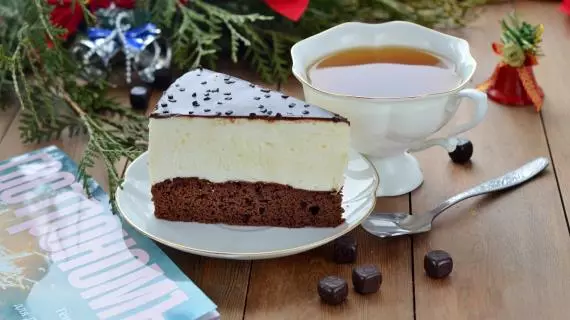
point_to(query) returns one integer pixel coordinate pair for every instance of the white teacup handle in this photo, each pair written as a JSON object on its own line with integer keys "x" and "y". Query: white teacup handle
{"x": 451, "y": 141}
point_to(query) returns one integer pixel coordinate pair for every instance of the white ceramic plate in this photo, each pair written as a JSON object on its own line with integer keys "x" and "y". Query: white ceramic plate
{"x": 242, "y": 242}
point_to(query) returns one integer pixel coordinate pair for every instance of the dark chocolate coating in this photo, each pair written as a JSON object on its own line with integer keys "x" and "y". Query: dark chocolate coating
{"x": 438, "y": 264}
{"x": 201, "y": 89}
{"x": 344, "y": 249}
{"x": 333, "y": 290}
{"x": 366, "y": 279}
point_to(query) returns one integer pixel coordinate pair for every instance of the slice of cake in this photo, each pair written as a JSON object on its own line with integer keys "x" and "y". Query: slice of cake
{"x": 223, "y": 150}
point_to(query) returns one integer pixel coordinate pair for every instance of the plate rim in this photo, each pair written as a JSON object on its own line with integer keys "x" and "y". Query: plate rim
{"x": 249, "y": 255}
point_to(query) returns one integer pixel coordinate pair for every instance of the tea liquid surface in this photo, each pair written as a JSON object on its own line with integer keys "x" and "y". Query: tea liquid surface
{"x": 383, "y": 72}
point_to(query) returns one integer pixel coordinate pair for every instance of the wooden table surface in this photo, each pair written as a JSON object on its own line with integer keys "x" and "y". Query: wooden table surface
{"x": 511, "y": 252}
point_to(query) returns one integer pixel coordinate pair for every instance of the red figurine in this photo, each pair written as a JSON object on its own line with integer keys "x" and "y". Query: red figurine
{"x": 513, "y": 82}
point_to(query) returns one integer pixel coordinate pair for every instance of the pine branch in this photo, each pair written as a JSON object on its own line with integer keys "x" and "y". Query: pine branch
{"x": 54, "y": 102}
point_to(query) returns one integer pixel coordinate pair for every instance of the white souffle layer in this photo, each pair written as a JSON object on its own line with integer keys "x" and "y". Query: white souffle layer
{"x": 305, "y": 154}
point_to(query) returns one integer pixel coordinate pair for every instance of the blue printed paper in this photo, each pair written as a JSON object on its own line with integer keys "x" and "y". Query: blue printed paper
{"x": 64, "y": 255}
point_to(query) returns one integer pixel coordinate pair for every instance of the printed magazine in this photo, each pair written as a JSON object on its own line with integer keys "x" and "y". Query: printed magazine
{"x": 64, "y": 255}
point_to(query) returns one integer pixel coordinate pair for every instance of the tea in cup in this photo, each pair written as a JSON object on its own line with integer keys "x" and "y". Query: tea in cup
{"x": 398, "y": 83}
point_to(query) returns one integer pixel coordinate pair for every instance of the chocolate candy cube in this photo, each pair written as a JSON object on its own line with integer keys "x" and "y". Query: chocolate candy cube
{"x": 344, "y": 249}
{"x": 438, "y": 264}
{"x": 463, "y": 152}
{"x": 366, "y": 279}
{"x": 333, "y": 290}
{"x": 139, "y": 97}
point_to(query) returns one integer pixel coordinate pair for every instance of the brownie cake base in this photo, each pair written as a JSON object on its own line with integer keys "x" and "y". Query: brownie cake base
{"x": 245, "y": 203}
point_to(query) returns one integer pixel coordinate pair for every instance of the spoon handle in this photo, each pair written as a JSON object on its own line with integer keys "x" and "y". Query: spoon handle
{"x": 511, "y": 179}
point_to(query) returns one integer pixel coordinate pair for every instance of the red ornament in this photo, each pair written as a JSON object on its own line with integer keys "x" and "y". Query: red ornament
{"x": 514, "y": 86}
{"x": 291, "y": 9}
{"x": 565, "y": 6}
{"x": 68, "y": 14}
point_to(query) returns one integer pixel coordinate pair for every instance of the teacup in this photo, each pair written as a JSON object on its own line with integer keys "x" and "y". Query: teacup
{"x": 386, "y": 130}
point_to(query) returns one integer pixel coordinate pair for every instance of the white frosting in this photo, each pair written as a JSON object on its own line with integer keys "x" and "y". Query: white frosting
{"x": 304, "y": 154}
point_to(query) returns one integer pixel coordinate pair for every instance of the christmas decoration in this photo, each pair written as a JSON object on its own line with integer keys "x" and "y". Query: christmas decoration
{"x": 47, "y": 44}
{"x": 142, "y": 47}
{"x": 565, "y": 7}
{"x": 513, "y": 81}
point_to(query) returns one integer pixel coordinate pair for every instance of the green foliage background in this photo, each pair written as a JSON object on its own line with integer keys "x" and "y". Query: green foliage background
{"x": 44, "y": 80}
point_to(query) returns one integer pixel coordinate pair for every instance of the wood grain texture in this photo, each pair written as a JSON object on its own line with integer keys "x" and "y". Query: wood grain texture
{"x": 286, "y": 288}
{"x": 224, "y": 281}
{"x": 553, "y": 76}
{"x": 6, "y": 118}
{"x": 511, "y": 251}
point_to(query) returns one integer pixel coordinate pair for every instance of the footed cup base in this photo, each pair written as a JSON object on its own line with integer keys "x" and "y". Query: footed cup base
{"x": 398, "y": 174}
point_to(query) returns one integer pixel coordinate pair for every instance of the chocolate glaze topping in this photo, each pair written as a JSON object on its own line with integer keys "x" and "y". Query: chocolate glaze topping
{"x": 205, "y": 93}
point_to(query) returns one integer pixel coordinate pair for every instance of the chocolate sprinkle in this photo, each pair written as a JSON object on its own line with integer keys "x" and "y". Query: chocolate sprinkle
{"x": 229, "y": 112}
{"x": 307, "y": 105}
{"x": 207, "y": 110}
{"x": 263, "y": 110}
{"x": 198, "y": 95}
{"x": 218, "y": 113}
{"x": 164, "y": 104}
{"x": 190, "y": 112}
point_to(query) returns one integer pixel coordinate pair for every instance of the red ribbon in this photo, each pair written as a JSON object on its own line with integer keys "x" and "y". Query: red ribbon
{"x": 291, "y": 9}
{"x": 565, "y": 7}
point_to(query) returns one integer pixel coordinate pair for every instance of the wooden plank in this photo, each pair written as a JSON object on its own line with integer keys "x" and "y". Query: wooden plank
{"x": 286, "y": 288}
{"x": 6, "y": 118}
{"x": 511, "y": 251}
{"x": 552, "y": 76}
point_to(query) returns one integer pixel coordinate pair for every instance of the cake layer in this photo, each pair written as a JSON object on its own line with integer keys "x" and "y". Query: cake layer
{"x": 304, "y": 154}
{"x": 244, "y": 203}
